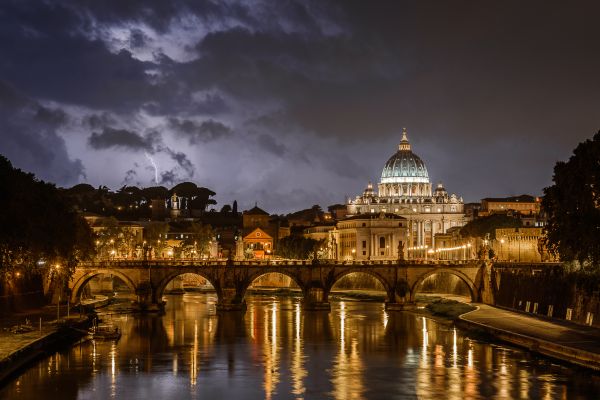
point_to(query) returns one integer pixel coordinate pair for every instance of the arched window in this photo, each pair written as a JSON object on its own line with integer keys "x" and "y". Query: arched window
{"x": 382, "y": 242}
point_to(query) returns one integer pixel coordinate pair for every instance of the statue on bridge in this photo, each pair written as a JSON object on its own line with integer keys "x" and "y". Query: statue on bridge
{"x": 400, "y": 251}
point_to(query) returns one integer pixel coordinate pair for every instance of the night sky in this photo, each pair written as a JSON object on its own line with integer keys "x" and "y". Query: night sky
{"x": 295, "y": 103}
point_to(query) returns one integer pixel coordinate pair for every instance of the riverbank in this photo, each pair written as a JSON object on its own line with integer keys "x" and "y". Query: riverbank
{"x": 566, "y": 342}
{"x": 17, "y": 350}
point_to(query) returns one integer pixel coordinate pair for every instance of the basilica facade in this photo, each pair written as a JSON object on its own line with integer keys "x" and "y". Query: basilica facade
{"x": 406, "y": 191}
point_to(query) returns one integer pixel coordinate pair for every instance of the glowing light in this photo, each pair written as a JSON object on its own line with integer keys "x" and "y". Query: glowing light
{"x": 149, "y": 157}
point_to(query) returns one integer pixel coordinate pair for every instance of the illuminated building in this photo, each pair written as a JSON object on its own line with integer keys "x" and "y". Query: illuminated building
{"x": 405, "y": 190}
{"x": 524, "y": 204}
{"x": 368, "y": 237}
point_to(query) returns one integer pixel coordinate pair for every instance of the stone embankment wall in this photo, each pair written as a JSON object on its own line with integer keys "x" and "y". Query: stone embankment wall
{"x": 549, "y": 291}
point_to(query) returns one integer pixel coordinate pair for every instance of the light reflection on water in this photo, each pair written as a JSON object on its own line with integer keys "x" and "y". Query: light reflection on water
{"x": 276, "y": 350}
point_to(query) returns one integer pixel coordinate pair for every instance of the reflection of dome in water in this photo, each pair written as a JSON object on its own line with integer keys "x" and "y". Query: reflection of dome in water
{"x": 404, "y": 166}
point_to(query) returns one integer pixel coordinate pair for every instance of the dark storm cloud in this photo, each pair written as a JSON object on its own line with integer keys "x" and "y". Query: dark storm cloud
{"x": 206, "y": 131}
{"x": 46, "y": 54}
{"x": 122, "y": 138}
{"x": 52, "y": 117}
{"x": 98, "y": 121}
{"x": 496, "y": 91}
{"x": 168, "y": 178}
{"x": 271, "y": 145}
{"x": 137, "y": 38}
{"x": 29, "y": 139}
{"x": 182, "y": 161}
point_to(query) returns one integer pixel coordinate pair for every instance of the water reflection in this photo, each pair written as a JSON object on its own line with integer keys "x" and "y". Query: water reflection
{"x": 276, "y": 350}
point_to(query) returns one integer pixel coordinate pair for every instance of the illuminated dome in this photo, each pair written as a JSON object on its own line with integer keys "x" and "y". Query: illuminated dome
{"x": 404, "y": 166}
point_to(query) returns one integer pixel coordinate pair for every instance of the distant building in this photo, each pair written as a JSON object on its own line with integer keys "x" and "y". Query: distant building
{"x": 258, "y": 244}
{"x": 271, "y": 227}
{"x": 520, "y": 245}
{"x": 128, "y": 241}
{"x": 524, "y": 205}
{"x": 369, "y": 237}
{"x": 472, "y": 211}
{"x": 255, "y": 218}
{"x": 319, "y": 232}
{"x": 338, "y": 211}
{"x": 405, "y": 190}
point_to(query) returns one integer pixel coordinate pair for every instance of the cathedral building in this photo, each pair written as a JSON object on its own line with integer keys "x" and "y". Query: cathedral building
{"x": 405, "y": 190}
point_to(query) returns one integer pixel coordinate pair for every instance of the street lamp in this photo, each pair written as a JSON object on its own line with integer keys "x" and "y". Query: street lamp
{"x": 501, "y": 245}
{"x": 57, "y": 267}
{"x": 353, "y": 254}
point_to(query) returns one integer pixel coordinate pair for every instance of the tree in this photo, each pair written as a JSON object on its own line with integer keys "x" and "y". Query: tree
{"x": 108, "y": 237}
{"x": 198, "y": 243}
{"x": 38, "y": 227}
{"x": 297, "y": 247}
{"x": 484, "y": 225}
{"x": 155, "y": 235}
{"x": 572, "y": 205}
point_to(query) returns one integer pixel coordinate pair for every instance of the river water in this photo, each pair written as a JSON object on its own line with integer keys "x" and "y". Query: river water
{"x": 277, "y": 351}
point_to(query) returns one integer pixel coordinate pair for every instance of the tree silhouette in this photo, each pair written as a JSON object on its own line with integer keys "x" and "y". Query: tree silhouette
{"x": 572, "y": 205}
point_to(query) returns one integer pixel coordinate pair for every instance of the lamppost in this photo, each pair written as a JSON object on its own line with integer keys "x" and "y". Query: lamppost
{"x": 353, "y": 254}
{"x": 501, "y": 246}
{"x": 57, "y": 267}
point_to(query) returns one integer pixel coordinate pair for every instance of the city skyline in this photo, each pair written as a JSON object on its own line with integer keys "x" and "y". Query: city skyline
{"x": 291, "y": 104}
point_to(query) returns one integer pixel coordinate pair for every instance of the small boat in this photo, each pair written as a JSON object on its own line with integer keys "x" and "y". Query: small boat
{"x": 105, "y": 332}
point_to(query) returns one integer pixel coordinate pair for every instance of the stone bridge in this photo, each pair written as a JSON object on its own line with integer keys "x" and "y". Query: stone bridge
{"x": 401, "y": 279}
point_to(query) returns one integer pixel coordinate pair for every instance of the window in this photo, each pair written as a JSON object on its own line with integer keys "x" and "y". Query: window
{"x": 364, "y": 242}
{"x": 382, "y": 243}
{"x": 364, "y": 253}
{"x": 364, "y": 224}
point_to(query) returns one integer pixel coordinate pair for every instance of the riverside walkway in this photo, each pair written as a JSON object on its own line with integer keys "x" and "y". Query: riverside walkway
{"x": 562, "y": 340}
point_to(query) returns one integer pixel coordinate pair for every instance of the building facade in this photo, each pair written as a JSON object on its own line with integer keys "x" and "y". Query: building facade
{"x": 405, "y": 190}
{"x": 369, "y": 237}
{"x": 524, "y": 205}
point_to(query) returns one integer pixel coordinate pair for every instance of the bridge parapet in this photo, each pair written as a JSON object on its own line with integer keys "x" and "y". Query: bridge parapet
{"x": 110, "y": 263}
{"x": 526, "y": 265}
{"x": 231, "y": 279}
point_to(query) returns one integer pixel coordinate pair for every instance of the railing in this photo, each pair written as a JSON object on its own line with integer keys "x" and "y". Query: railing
{"x": 184, "y": 262}
{"x": 526, "y": 265}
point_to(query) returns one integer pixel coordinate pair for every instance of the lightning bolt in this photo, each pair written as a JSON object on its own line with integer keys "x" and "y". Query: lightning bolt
{"x": 149, "y": 157}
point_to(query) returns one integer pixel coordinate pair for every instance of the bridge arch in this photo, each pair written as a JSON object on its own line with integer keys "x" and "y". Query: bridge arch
{"x": 459, "y": 274}
{"x": 388, "y": 286}
{"x": 162, "y": 284}
{"x": 253, "y": 277}
{"x": 80, "y": 283}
